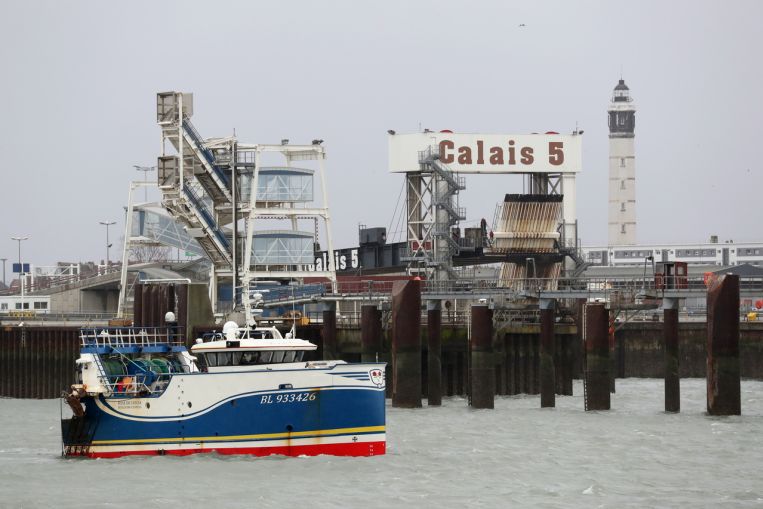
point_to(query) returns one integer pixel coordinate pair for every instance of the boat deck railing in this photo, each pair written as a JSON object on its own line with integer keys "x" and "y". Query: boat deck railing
{"x": 135, "y": 361}
{"x": 143, "y": 338}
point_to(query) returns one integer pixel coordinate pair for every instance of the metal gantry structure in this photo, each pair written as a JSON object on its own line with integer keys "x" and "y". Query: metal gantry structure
{"x": 222, "y": 193}
{"x": 432, "y": 211}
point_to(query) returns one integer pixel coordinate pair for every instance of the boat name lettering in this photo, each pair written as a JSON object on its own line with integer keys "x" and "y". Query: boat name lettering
{"x": 292, "y": 397}
{"x": 122, "y": 403}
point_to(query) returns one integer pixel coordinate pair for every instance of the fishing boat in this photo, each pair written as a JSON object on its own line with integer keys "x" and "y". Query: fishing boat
{"x": 245, "y": 390}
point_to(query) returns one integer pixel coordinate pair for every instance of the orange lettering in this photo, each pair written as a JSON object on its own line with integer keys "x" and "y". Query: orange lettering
{"x": 555, "y": 152}
{"x": 527, "y": 155}
{"x": 446, "y": 157}
{"x": 496, "y": 155}
{"x": 464, "y": 155}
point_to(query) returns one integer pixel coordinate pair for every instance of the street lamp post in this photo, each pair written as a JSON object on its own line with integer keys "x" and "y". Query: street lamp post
{"x": 21, "y": 269}
{"x": 107, "y": 224}
{"x": 4, "y": 260}
{"x": 145, "y": 170}
{"x": 649, "y": 258}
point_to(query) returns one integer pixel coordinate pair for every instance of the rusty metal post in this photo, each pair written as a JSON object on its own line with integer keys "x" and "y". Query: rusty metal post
{"x": 547, "y": 368}
{"x": 482, "y": 364}
{"x": 370, "y": 333}
{"x": 723, "y": 384}
{"x": 434, "y": 353}
{"x": 597, "y": 357}
{"x": 406, "y": 343}
{"x": 328, "y": 333}
{"x": 672, "y": 380}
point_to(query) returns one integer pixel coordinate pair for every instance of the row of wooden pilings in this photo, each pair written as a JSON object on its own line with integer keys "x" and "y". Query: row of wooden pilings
{"x": 38, "y": 362}
{"x": 553, "y": 377}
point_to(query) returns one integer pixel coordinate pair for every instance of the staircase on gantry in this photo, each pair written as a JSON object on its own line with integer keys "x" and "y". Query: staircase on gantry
{"x": 207, "y": 185}
{"x": 432, "y": 211}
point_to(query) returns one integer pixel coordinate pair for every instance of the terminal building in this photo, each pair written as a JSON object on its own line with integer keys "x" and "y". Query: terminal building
{"x": 709, "y": 253}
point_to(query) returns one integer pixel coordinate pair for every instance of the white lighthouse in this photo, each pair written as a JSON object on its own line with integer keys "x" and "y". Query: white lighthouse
{"x": 622, "y": 168}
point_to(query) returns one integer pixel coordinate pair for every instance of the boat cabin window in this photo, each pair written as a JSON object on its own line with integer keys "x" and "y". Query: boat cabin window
{"x": 260, "y": 334}
{"x": 216, "y": 359}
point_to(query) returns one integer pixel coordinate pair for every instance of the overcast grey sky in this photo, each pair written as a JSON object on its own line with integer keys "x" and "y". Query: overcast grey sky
{"x": 77, "y": 106}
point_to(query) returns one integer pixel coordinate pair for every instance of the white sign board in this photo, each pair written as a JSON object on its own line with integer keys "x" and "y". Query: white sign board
{"x": 489, "y": 153}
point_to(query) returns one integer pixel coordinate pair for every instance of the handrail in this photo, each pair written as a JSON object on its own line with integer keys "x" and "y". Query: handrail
{"x": 208, "y": 156}
{"x": 199, "y": 205}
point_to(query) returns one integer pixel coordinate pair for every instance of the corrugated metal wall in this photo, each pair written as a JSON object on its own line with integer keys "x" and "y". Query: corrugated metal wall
{"x": 37, "y": 362}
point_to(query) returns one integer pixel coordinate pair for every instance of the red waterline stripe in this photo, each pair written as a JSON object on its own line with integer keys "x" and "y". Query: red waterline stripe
{"x": 353, "y": 449}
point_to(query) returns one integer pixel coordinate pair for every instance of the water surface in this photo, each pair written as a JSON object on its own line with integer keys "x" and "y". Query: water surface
{"x": 517, "y": 455}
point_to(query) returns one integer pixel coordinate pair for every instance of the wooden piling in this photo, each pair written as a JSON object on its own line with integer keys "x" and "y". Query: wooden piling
{"x": 547, "y": 367}
{"x": 612, "y": 354}
{"x": 533, "y": 363}
{"x": 597, "y": 357}
{"x": 723, "y": 382}
{"x": 406, "y": 343}
{"x": 328, "y": 333}
{"x": 482, "y": 370}
{"x": 672, "y": 380}
{"x": 137, "y": 305}
{"x": 568, "y": 363}
{"x": 370, "y": 333}
{"x": 434, "y": 353}
{"x": 511, "y": 370}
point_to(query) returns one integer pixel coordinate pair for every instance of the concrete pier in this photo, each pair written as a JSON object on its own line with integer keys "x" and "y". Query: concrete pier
{"x": 406, "y": 343}
{"x": 434, "y": 354}
{"x": 482, "y": 364}
{"x": 597, "y": 377}
{"x": 672, "y": 380}
{"x": 547, "y": 344}
{"x": 723, "y": 381}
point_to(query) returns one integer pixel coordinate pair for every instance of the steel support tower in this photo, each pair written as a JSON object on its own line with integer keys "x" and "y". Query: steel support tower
{"x": 216, "y": 189}
{"x": 432, "y": 211}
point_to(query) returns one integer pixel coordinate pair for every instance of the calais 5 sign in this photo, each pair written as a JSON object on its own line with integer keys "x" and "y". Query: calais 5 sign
{"x": 489, "y": 153}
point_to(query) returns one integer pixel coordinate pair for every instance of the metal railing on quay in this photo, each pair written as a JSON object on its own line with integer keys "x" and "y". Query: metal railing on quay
{"x": 43, "y": 316}
{"x": 368, "y": 287}
{"x": 48, "y": 282}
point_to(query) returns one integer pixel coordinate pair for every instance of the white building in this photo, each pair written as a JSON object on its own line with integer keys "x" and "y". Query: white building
{"x": 622, "y": 168}
{"x": 710, "y": 253}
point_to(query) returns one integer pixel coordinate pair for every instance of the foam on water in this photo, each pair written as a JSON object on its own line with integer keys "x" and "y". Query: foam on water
{"x": 517, "y": 455}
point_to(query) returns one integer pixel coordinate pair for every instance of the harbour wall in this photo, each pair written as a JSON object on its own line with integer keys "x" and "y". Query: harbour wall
{"x": 38, "y": 362}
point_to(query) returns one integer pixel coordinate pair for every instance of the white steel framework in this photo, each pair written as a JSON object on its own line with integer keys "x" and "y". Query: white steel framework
{"x": 207, "y": 185}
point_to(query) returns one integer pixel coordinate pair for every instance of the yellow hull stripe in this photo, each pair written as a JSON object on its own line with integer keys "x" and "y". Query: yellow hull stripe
{"x": 266, "y": 436}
